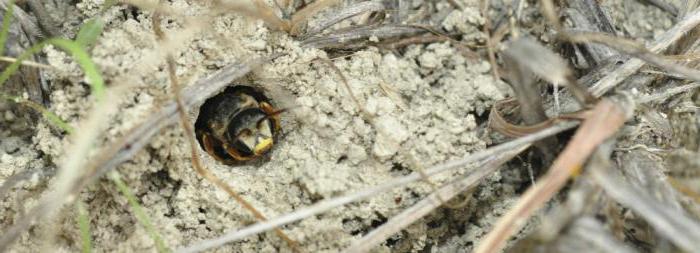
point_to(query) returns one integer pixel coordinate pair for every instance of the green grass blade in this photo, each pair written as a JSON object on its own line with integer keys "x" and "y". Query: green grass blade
{"x": 89, "y": 32}
{"x": 78, "y": 54}
{"x": 84, "y": 226}
{"x": 6, "y": 19}
{"x": 138, "y": 212}
{"x": 48, "y": 115}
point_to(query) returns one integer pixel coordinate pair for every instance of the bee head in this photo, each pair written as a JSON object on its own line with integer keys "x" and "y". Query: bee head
{"x": 251, "y": 132}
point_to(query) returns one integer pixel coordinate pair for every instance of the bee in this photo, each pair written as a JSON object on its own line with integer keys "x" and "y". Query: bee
{"x": 238, "y": 125}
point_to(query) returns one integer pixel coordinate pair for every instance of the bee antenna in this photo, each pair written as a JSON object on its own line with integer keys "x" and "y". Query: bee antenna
{"x": 275, "y": 113}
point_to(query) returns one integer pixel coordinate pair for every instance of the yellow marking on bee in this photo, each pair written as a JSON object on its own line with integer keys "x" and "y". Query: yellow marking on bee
{"x": 263, "y": 146}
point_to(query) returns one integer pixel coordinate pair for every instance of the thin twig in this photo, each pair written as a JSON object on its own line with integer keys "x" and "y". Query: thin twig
{"x": 667, "y": 93}
{"x": 490, "y": 43}
{"x": 630, "y": 67}
{"x": 674, "y": 224}
{"x": 345, "y": 13}
{"x": 187, "y": 127}
{"x": 432, "y": 201}
{"x": 606, "y": 118}
{"x": 663, "y": 5}
{"x": 636, "y": 50}
{"x": 358, "y": 37}
{"x": 415, "y": 40}
{"x": 373, "y": 191}
{"x": 126, "y": 147}
{"x": 300, "y": 17}
{"x": 27, "y": 63}
{"x": 69, "y": 173}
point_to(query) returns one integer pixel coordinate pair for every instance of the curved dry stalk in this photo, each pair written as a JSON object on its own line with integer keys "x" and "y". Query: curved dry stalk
{"x": 490, "y": 43}
{"x": 634, "y": 49}
{"x": 261, "y": 10}
{"x": 127, "y": 146}
{"x": 72, "y": 182}
{"x": 589, "y": 233}
{"x": 187, "y": 128}
{"x": 433, "y": 185}
{"x": 606, "y": 119}
{"x": 622, "y": 72}
{"x": 432, "y": 201}
{"x": 672, "y": 223}
{"x": 358, "y": 36}
{"x": 349, "y": 12}
{"x": 499, "y": 124}
{"x": 264, "y": 12}
{"x": 595, "y": 128}
{"x": 531, "y": 55}
{"x": 299, "y": 18}
{"x": 326, "y": 205}
{"x": 70, "y": 170}
{"x": 667, "y": 93}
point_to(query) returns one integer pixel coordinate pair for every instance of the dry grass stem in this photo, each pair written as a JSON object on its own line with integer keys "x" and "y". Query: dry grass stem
{"x": 637, "y": 50}
{"x": 434, "y": 186}
{"x": 521, "y": 79}
{"x": 588, "y": 231}
{"x": 27, "y": 63}
{"x": 490, "y": 42}
{"x": 606, "y": 119}
{"x": 357, "y": 37}
{"x": 415, "y": 40}
{"x": 630, "y": 67}
{"x": 663, "y": 5}
{"x": 499, "y": 124}
{"x": 671, "y": 223}
{"x": 265, "y": 13}
{"x": 299, "y": 18}
{"x": 667, "y": 93}
{"x": 548, "y": 65}
{"x": 326, "y": 205}
{"x": 588, "y": 15}
{"x": 70, "y": 171}
{"x": 432, "y": 201}
{"x": 194, "y": 154}
{"x": 348, "y": 12}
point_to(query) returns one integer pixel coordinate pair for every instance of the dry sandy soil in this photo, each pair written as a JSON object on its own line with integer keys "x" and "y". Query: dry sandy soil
{"x": 429, "y": 103}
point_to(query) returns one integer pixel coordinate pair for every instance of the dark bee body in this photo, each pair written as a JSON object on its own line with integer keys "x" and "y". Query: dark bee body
{"x": 237, "y": 125}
